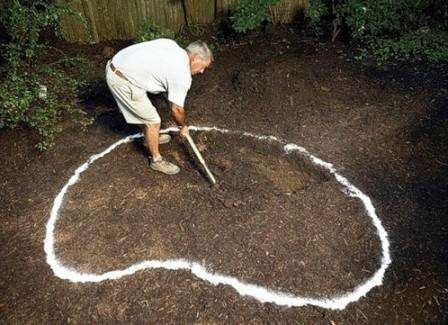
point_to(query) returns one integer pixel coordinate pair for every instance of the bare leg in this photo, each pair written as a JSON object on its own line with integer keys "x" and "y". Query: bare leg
{"x": 151, "y": 133}
{"x": 143, "y": 129}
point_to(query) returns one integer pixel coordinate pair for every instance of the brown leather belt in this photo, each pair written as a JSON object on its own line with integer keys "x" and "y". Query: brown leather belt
{"x": 117, "y": 72}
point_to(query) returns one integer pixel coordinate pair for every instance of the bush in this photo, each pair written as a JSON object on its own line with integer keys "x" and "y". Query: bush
{"x": 411, "y": 30}
{"x": 249, "y": 14}
{"x": 38, "y": 98}
{"x": 33, "y": 93}
{"x": 315, "y": 12}
{"x": 424, "y": 44}
{"x": 151, "y": 31}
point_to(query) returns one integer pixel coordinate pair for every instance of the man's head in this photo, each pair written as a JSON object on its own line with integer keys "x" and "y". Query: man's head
{"x": 200, "y": 57}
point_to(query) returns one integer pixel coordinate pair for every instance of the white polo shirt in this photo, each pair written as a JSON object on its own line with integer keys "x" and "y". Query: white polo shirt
{"x": 157, "y": 66}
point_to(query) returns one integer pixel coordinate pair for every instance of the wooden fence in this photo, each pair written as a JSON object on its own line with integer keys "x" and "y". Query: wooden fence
{"x": 122, "y": 19}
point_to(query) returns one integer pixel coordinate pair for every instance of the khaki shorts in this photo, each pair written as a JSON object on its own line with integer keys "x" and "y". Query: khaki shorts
{"x": 132, "y": 101}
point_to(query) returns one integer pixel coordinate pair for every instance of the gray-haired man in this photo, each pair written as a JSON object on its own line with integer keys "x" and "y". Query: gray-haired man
{"x": 155, "y": 66}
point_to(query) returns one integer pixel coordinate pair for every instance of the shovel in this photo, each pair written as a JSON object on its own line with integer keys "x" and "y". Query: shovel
{"x": 201, "y": 159}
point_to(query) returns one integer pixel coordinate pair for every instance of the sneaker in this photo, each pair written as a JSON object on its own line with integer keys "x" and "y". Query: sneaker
{"x": 163, "y": 138}
{"x": 164, "y": 166}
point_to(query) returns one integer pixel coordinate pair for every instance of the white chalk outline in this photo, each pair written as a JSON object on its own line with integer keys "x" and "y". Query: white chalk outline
{"x": 260, "y": 293}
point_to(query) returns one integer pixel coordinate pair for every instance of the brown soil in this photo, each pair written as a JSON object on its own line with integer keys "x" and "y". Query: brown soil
{"x": 274, "y": 219}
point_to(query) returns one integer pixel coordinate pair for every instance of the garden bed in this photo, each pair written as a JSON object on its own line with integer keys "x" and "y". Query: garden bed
{"x": 274, "y": 220}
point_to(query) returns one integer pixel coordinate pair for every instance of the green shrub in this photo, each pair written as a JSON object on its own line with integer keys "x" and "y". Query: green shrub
{"x": 316, "y": 10}
{"x": 24, "y": 23}
{"x": 249, "y": 14}
{"x": 425, "y": 44}
{"x": 412, "y": 30}
{"x": 151, "y": 31}
{"x": 39, "y": 98}
{"x": 34, "y": 93}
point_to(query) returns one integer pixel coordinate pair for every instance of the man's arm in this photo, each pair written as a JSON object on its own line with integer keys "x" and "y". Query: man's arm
{"x": 178, "y": 114}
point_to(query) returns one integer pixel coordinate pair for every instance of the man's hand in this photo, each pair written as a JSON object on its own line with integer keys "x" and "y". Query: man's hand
{"x": 183, "y": 131}
{"x": 178, "y": 114}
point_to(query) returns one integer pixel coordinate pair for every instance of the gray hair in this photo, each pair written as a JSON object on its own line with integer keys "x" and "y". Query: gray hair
{"x": 201, "y": 50}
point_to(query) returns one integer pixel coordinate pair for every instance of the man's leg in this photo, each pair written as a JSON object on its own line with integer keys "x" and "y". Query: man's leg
{"x": 163, "y": 138}
{"x": 157, "y": 162}
{"x": 151, "y": 133}
{"x": 141, "y": 110}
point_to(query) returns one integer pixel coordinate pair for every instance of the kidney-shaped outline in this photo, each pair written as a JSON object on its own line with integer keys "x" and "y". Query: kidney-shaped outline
{"x": 260, "y": 293}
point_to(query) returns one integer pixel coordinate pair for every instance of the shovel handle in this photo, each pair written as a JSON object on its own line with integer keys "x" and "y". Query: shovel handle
{"x": 200, "y": 158}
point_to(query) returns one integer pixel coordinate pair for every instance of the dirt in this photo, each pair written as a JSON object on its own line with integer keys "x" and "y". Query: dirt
{"x": 274, "y": 219}
{"x": 276, "y": 210}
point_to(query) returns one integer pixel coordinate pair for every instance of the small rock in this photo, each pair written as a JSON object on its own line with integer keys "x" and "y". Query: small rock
{"x": 325, "y": 88}
{"x": 140, "y": 194}
{"x": 225, "y": 164}
{"x": 201, "y": 147}
{"x": 228, "y": 203}
{"x": 243, "y": 150}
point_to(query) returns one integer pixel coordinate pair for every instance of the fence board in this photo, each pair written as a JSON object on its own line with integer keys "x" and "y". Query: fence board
{"x": 286, "y": 11}
{"x": 122, "y": 19}
{"x": 200, "y": 11}
{"x": 72, "y": 27}
{"x": 88, "y": 11}
{"x": 223, "y": 7}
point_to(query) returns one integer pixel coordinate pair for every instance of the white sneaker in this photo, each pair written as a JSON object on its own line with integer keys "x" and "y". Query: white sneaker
{"x": 164, "y": 166}
{"x": 163, "y": 138}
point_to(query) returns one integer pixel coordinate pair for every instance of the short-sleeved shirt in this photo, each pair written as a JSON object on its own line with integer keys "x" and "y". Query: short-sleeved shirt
{"x": 157, "y": 66}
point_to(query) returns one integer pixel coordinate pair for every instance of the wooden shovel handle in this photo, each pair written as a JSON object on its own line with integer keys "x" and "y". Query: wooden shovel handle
{"x": 200, "y": 158}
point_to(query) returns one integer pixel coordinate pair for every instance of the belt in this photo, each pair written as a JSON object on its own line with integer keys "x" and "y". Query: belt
{"x": 118, "y": 72}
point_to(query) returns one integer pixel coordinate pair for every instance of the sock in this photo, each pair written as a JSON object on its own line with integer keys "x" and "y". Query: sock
{"x": 157, "y": 159}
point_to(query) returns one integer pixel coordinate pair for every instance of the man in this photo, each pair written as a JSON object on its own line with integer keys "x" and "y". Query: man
{"x": 155, "y": 66}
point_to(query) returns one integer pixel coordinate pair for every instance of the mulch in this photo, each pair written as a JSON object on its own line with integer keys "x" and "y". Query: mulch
{"x": 275, "y": 220}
